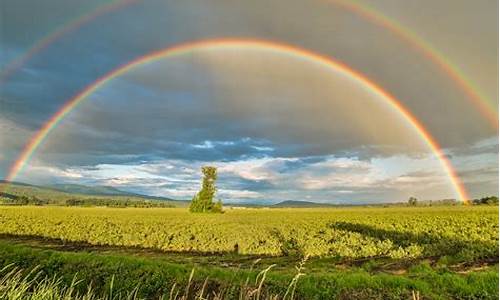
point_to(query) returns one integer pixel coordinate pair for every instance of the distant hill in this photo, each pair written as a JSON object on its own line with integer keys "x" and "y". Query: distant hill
{"x": 103, "y": 190}
{"x": 296, "y": 204}
{"x": 89, "y": 190}
{"x": 61, "y": 193}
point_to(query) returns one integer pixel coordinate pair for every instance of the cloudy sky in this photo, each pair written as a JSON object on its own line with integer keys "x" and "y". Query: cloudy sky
{"x": 277, "y": 126}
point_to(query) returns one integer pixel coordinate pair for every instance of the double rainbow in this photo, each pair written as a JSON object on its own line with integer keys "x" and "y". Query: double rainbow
{"x": 485, "y": 105}
{"x": 331, "y": 64}
{"x": 60, "y": 32}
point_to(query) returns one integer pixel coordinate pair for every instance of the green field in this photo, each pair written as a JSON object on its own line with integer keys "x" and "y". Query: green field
{"x": 351, "y": 253}
{"x": 467, "y": 233}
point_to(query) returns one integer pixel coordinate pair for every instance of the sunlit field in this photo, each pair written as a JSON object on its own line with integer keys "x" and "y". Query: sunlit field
{"x": 465, "y": 232}
{"x": 395, "y": 251}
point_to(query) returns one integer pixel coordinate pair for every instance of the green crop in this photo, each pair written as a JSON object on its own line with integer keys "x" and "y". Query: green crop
{"x": 467, "y": 233}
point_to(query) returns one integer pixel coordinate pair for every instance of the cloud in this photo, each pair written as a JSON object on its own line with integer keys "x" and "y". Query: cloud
{"x": 265, "y": 180}
{"x": 77, "y": 59}
{"x": 229, "y": 114}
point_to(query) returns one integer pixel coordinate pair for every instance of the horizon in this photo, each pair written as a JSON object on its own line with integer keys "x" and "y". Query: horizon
{"x": 263, "y": 202}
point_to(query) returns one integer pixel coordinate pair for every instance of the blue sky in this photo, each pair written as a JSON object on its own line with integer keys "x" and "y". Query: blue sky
{"x": 277, "y": 127}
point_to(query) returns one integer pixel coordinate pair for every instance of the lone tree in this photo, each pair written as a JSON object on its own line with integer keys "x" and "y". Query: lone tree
{"x": 412, "y": 201}
{"x": 203, "y": 200}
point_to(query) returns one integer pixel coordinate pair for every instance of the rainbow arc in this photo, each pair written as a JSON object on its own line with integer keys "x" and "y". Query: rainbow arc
{"x": 485, "y": 105}
{"x": 234, "y": 43}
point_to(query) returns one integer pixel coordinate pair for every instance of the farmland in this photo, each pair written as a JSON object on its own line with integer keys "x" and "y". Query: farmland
{"x": 392, "y": 250}
{"x": 467, "y": 233}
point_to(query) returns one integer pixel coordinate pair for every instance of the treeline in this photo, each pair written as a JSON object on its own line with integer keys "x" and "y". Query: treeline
{"x": 443, "y": 202}
{"x": 491, "y": 200}
{"x": 115, "y": 203}
{"x": 10, "y": 199}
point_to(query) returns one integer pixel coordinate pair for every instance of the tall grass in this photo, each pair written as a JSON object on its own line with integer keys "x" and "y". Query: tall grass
{"x": 19, "y": 284}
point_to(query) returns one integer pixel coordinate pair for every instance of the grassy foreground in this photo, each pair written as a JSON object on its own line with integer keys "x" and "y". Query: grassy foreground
{"x": 348, "y": 253}
{"x": 119, "y": 276}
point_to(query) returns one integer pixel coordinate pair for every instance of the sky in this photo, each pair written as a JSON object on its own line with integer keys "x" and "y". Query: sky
{"x": 277, "y": 126}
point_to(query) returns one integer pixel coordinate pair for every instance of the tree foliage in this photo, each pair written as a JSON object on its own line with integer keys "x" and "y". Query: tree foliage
{"x": 203, "y": 201}
{"x": 412, "y": 201}
{"x": 491, "y": 200}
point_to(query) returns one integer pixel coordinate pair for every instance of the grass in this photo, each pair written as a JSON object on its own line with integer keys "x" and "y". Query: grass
{"x": 18, "y": 285}
{"x": 120, "y": 276}
{"x": 168, "y": 253}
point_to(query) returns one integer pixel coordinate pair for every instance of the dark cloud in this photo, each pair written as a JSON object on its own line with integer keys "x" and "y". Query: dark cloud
{"x": 239, "y": 115}
{"x": 119, "y": 36}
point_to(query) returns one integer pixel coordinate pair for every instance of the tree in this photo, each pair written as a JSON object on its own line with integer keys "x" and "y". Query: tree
{"x": 412, "y": 201}
{"x": 491, "y": 200}
{"x": 217, "y": 207}
{"x": 203, "y": 200}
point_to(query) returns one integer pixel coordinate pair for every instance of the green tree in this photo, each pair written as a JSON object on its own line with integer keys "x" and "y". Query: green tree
{"x": 203, "y": 200}
{"x": 491, "y": 200}
{"x": 412, "y": 201}
{"x": 217, "y": 207}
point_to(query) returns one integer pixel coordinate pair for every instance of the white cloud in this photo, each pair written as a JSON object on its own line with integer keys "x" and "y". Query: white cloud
{"x": 274, "y": 179}
{"x": 239, "y": 194}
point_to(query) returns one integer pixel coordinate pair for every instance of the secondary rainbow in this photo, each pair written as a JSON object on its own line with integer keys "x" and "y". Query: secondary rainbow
{"x": 60, "y": 32}
{"x": 283, "y": 49}
{"x": 482, "y": 102}
{"x": 485, "y": 106}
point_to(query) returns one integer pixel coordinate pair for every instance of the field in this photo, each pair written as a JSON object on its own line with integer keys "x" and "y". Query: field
{"x": 392, "y": 250}
{"x": 467, "y": 233}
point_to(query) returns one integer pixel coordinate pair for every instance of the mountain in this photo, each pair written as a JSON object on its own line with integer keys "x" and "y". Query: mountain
{"x": 61, "y": 193}
{"x": 90, "y": 190}
{"x": 296, "y": 204}
{"x": 3, "y": 181}
{"x": 101, "y": 190}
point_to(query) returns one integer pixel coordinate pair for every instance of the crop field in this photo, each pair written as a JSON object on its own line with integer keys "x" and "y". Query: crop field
{"x": 466, "y": 233}
{"x": 318, "y": 253}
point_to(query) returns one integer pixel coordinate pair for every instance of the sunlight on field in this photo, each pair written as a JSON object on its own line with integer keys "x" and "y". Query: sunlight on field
{"x": 466, "y": 232}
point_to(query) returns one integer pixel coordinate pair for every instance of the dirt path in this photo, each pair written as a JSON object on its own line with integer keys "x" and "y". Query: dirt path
{"x": 238, "y": 261}
{"x": 196, "y": 258}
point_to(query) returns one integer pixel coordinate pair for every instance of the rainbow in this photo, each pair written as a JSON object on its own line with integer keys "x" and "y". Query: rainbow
{"x": 216, "y": 44}
{"x": 61, "y": 31}
{"x": 486, "y": 106}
